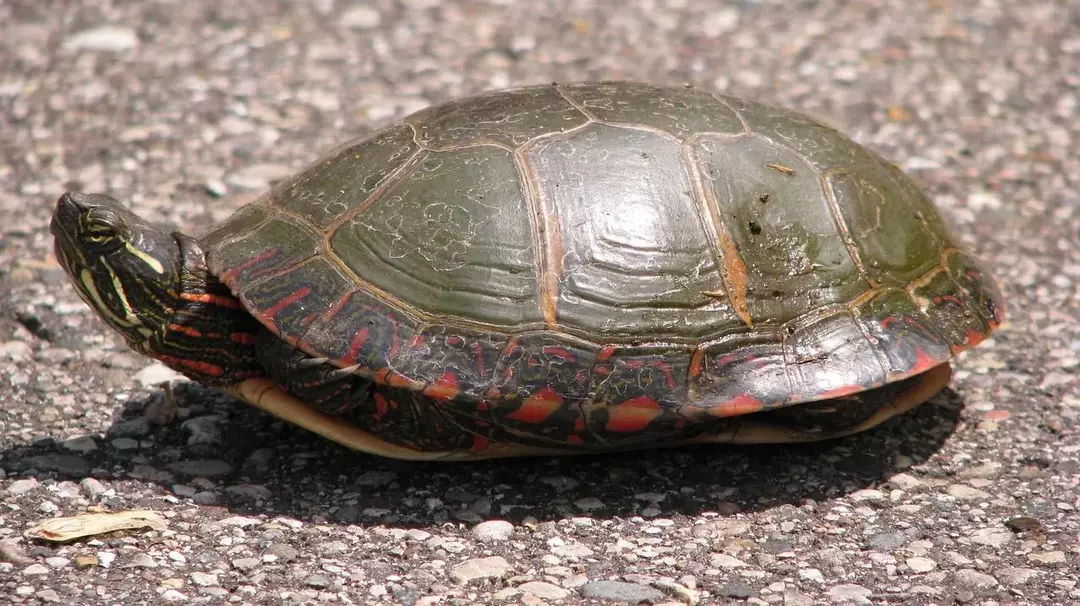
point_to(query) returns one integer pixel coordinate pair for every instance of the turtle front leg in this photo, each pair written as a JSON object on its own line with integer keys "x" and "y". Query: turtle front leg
{"x": 398, "y": 416}
{"x": 314, "y": 381}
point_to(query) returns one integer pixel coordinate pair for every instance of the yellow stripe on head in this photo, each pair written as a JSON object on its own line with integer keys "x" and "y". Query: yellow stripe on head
{"x": 145, "y": 258}
{"x": 87, "y": 279}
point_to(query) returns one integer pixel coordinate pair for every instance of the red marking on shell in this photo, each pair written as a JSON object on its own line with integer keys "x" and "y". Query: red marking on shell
{"x": 230, "y": 274}
{"x": 243, "y": 338}
{"x": 358, "y": 341}
{"x": 276, "y": 308}
{"x": 444, "y": 388}
{"x": 381, "y": 406}
{"x": 455, "y": 341}
{"x": 511, "y": 347}
{"x": 478, "y": 354}
{"x": 559, "y": 352}
{"x": 213, "y": 335}
{"x": 385, "y": 376}
{"x": 603, "y": 370}
{"x": 697, "y": 363}
{"x": 669, "y": 376}
{"x": 741, "y": 404}
{"x": 999, "y": 314}
{"x": 538, "y": 407}
{"x": 973, "y": 338}
{"x": 605, "y": 353}
{"x": 575, "y": 440}
{"x": 634, "y": 363}
{"x": 187, "y": 330}
{"x": 923, "y": 362}
{"x": 734, "y": 358}
{"x": 632, "y": 415}
{"x": 199, "y": 366}
{"x": 209, "y": 299}
{"x": 949, "y": 299}
{"x": 579, "y": 425}
{"x": 479, "y": 443}
{"x": 996, "y": 415}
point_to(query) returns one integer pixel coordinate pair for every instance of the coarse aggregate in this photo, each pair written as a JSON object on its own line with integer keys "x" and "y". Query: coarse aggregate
{"x": 187, "y": 110}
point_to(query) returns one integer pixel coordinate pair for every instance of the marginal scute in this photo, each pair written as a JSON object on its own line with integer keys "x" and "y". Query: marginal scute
{"x": 240, "y": 258}
{"x": 638, "y": 391}
{"x": 451, "y": 238}
{"x": 901, "y": 334}
{"x": 980, "y": 289}
{"x": 680, "y": 112}
{"x": 830, "y": 355}
{"x": 346, "y": 176}
{"x": 506, "y": 118}
{"x": 952, "y": 314}
{"x": 453, "y": 362}
{"x": 541, "y": 365}
{"x": 292, "y": 300}
{"x": 360, "y": 329}
{"x": 781, "y": 225}
{"x": 739, "y": 374}
{"x": 240, "y": 224}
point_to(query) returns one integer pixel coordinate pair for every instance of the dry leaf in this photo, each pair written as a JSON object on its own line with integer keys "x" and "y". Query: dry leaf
{"x": 92, "y": 524}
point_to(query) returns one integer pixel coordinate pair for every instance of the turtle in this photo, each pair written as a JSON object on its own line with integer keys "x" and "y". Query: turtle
{"x": 557, "y": 269}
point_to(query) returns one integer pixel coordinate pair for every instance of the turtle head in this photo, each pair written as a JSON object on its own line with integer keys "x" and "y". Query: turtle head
{"x": 127, "y": 270}
{"x": 153, "y": 287}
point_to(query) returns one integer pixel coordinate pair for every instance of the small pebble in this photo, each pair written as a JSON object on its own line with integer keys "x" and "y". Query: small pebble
{"x": 479, "y": 568}
{"x": 620, "y": 591}
{"x": 975, "y": 579}
{"x": 493, "y": 530}
{"x": 22, "y": 486}
{"x": 106, "y": 38}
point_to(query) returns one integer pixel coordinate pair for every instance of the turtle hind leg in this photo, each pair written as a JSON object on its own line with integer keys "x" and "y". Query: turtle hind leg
{"x": 398, "y": 416}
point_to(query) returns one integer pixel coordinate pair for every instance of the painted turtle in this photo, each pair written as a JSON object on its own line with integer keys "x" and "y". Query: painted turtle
{"x": 557, "y": 269}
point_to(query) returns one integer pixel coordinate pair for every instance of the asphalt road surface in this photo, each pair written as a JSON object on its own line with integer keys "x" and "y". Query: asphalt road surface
{"x": 186, "y": 110}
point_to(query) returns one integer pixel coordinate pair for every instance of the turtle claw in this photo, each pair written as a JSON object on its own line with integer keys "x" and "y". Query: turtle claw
{"x": 162, "y": 412}
{"x": 342, "y": 373}
{"x": 310, "y": 362}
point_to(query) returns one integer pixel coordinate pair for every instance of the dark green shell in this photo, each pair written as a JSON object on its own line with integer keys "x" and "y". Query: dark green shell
{"x": 585, "y": 263}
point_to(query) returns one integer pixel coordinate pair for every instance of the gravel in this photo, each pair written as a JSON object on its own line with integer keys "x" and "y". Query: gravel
{"x": 187, "y": 110}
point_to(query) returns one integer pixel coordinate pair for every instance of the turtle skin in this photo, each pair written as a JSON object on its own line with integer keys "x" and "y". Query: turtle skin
{"x": 600, "y": 266}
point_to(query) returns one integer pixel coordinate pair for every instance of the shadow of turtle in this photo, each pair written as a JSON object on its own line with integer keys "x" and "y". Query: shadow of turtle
{"x": 221, "y": 452}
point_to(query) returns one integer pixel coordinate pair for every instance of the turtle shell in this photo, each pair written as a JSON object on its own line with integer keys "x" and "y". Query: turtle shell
{"x": 596, "y": 262}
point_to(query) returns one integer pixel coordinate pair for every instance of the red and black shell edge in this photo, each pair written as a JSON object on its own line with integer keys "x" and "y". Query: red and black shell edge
{"x": 551, "y": 389}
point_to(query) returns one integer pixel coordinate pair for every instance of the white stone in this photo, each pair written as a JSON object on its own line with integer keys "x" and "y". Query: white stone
{"x": 108, "y": 38}
{"x": 493, "y": 530}
{"x": 361, "y": 17}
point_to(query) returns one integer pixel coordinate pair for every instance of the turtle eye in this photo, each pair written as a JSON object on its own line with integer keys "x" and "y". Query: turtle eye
{"x": 103, "y": 229}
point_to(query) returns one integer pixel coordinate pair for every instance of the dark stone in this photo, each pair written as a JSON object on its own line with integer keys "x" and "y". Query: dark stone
{"x": 63, "y": 463}
{"x": 887, "y": 541}
{"x": 1023, "y": 524}
{"x": 738, "y": 590}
